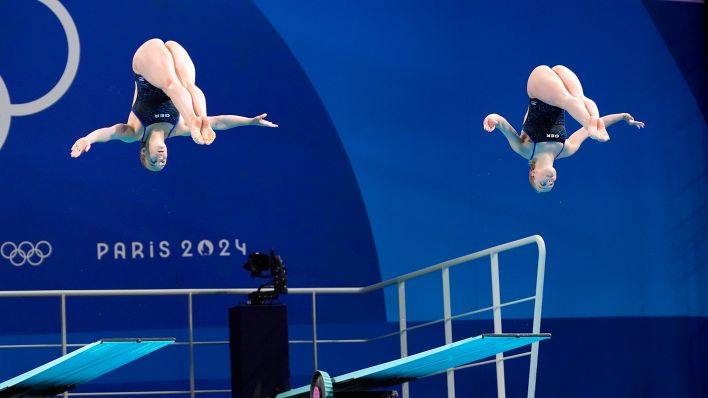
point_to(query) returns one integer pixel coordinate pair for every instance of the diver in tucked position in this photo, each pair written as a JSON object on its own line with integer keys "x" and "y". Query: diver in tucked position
{"x": 552, "y": 91}
{"x": 166, "y": 103}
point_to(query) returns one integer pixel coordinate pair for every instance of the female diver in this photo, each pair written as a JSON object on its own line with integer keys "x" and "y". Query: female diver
{"x": 552, "y": 91}
{"x": 166, "y": 104}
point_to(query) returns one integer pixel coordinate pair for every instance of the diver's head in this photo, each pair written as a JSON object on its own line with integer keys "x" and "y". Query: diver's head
{"x": 542, "y": 178}
{"x": 153, "y": 152}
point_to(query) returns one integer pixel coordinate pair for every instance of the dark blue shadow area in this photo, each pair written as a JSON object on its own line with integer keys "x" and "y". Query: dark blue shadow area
{"x": 686, "y": 41}
{"x": 593, "y": 357}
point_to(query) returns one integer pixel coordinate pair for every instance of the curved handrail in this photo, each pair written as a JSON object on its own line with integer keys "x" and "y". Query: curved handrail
{"x": 314, "y": 291}
{"x": 302, "y": 290}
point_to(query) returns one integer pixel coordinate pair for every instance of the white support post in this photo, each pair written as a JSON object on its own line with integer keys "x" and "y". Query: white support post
{"x": 402, "y": 326}
{"x": 63, "y": 331}
{"x": 190, "y": 332}
{"x": 63, "y": 324}
{"x": 496, "y": 303}
{"x": 537, "y": 316}
{"x": 447, "y": 313}
{"x": 314, "y": 331}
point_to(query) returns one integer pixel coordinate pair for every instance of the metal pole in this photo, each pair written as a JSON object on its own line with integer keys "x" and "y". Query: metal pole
{"x": 314, "y": 329}
{"x": 447, "y": 310}
{"x": 402, "y": 328}
{"x": 63, "y": 330}
{"x": 496, "y": 302}
{"x": 63, "y": 324}
{"x": 190, "y": 321}
{"x": 540, "y": 273}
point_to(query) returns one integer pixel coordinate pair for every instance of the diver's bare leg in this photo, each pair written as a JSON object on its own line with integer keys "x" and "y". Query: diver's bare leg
{"x": 572, "y": 83}
{"x": 187, "y": 75}
{"x": 154, "y": 62}
{"x": 547, "y": 86}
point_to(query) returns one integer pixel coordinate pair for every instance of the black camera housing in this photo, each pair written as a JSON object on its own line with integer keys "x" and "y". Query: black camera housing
{"x": 267, "y": 266}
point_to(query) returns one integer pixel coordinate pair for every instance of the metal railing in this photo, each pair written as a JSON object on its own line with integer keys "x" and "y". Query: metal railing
{"x": 399, "y": 282}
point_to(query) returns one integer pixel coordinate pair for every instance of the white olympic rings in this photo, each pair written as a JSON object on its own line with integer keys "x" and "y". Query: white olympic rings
{"x": 26, "y": 252}
{"x": 8, "y": 109}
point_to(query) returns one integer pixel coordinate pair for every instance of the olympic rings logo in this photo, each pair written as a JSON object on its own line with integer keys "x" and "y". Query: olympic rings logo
{"x": 8, "y": 109}
{"x": 26, "y": 252}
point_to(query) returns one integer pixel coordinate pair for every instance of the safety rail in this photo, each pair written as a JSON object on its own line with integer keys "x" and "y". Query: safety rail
{"x": 400, "y": 282}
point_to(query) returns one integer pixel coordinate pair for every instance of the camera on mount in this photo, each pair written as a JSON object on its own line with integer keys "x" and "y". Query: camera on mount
{"x": 267, "y": 266}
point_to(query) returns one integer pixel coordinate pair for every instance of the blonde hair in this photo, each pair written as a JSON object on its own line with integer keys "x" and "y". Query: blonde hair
{"x": 144, "y": 157}
{"x": 532, "y": 166}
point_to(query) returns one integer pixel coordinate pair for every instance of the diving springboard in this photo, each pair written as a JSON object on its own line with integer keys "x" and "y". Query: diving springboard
{"x": 426, "y": 363}
{"x": 79, "y": 366}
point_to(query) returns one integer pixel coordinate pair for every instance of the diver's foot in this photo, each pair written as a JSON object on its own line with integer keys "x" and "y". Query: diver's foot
{"x": 602, "y": 131}
{"x": 195, "y": 129}
{"x": 591, "y": 126}
{"x": 207, "y": 132}
{"x": 599, "y": 133}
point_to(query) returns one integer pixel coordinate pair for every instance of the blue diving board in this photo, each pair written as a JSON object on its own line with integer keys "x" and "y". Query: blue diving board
{"x": 78, "y": 367}
{"x": 426, "y": 363}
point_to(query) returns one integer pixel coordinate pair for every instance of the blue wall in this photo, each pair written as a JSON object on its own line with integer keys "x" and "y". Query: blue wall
{"x": 379, "y": 167}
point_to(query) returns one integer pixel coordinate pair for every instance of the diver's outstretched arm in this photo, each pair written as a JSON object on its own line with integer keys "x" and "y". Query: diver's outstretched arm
{"x": 616, "y": 117}
{"x": 572, "y": 144}
{"x": 520, "y": 146}
{"x": 121, "y": 132}
{"x": 225, "y": 122}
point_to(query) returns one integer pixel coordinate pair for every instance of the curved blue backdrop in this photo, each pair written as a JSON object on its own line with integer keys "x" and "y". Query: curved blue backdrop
{"x": 379, "y": 167}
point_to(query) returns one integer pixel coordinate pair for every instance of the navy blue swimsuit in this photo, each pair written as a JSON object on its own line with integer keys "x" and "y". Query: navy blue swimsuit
{"x": 545, "y": 123}
{"x": 152, "y": 106}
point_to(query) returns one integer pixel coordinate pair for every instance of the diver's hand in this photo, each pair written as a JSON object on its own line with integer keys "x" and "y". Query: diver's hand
{"x": 260, "y": 121}
{"x": 630, "y": 121}
{"x": 491, "y": 121}
{"x": 80, "y": 146}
